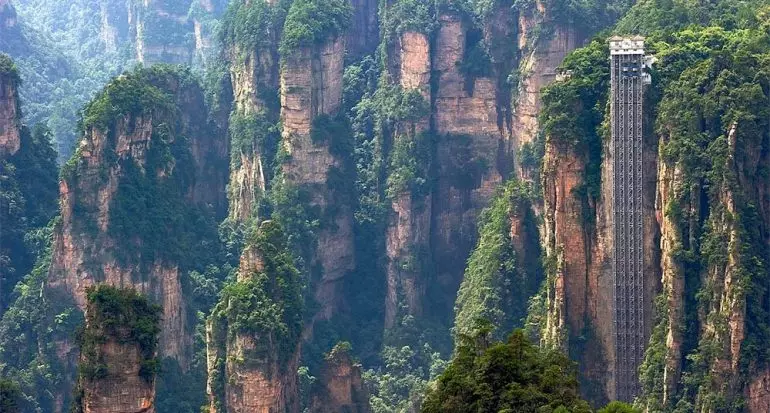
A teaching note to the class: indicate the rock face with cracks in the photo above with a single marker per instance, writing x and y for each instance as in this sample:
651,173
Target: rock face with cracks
97,241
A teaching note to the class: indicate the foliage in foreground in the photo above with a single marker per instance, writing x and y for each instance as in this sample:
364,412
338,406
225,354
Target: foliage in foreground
511,376
507,377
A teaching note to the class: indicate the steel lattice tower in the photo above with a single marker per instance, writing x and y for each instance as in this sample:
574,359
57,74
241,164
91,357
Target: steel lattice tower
628,80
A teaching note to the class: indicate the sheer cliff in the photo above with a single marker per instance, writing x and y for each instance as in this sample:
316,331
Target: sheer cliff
254,332
699,356
139,203
367,185
393,155
118,353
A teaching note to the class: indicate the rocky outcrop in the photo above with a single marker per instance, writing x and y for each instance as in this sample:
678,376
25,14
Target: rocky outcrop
271,389
311,88
117,362
178,32
672,282
10,115
541,55
758,393
134,185
122,390
724,308
408,231
255,79
579,245
473,155
479,130
341,386
252,366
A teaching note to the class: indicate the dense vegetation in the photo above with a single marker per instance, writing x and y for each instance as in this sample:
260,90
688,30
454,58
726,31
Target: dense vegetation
28,194
9,396
68,50
152,209
708,103
710,100
313,22
500,280
717,135
511,376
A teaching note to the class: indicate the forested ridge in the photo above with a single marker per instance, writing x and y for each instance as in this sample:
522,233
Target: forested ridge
375,206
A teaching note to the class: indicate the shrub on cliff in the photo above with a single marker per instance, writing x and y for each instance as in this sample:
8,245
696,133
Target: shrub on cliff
123,315
312,22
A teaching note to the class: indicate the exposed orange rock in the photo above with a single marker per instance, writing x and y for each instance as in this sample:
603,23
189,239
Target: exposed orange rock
122,389
415,62
581,290
84,251
408,231
466,119
250,373
541,57
311,86
10,122
758,393
341,386
268,389
253,74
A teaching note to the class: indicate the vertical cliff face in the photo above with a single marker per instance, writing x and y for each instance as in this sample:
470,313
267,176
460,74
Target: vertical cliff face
541,54
253,335
28,175
468,152
10,143
178,32
577,180
408,232
118,363
10,116
290,159
311,94
723,320
341,386
472,139
364,34
255,79
712,208
161,32
137,200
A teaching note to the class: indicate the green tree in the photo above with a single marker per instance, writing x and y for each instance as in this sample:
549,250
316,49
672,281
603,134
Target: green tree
512,376
9,396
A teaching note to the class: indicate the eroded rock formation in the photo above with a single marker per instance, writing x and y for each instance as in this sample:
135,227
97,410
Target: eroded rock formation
10,115
341,386
311,88
139,179
578,179
117,363
252,365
